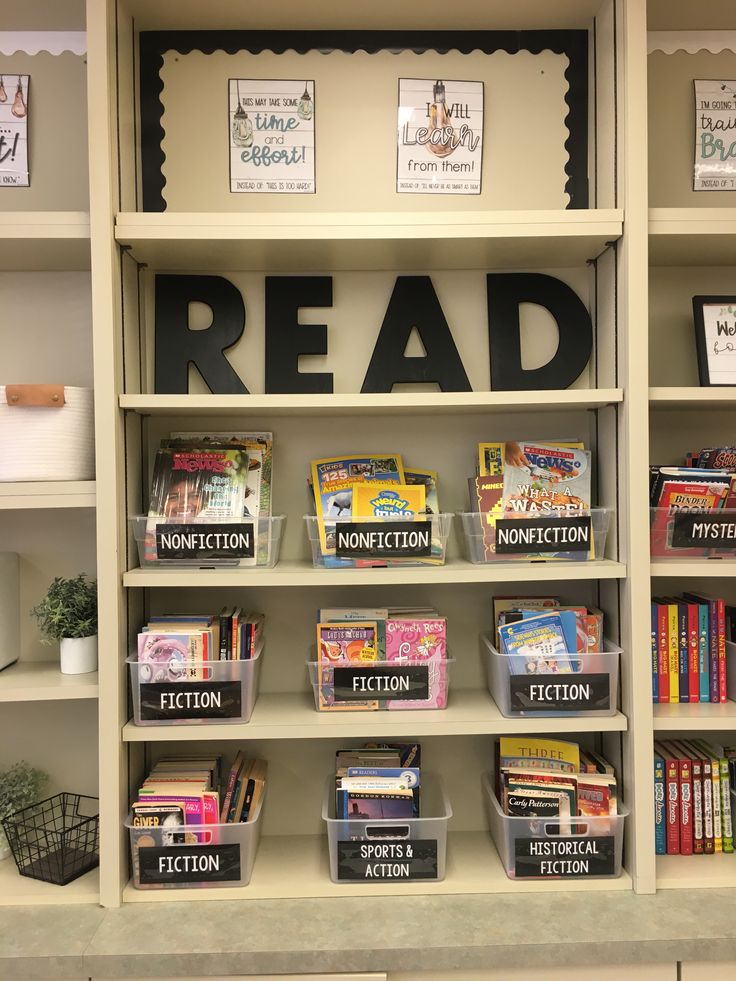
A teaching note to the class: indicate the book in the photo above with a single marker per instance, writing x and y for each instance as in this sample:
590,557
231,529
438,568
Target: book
427,479
379,500
660,826
535,752
424,641
676,496
486,497
672,797
343,644
536,645
501,604
333,480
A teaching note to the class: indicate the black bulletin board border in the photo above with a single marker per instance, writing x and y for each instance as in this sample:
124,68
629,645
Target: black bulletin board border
153,45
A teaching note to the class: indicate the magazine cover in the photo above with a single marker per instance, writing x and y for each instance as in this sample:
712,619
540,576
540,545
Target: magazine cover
333,479
376,500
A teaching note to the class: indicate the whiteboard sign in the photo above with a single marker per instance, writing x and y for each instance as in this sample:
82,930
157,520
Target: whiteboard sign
715,334
715,135
14,131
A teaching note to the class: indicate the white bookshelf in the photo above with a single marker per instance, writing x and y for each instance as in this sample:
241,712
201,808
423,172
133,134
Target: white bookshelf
47,240
41,681
47,494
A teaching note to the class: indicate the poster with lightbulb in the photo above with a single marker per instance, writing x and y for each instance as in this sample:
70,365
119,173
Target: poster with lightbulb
440,137
715,135
271,136
14,170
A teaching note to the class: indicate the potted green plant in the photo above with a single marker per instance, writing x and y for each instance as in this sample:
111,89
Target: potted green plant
68,614
20,786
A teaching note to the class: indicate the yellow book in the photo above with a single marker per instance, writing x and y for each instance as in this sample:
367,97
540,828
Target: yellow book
538,753
379,500
673,640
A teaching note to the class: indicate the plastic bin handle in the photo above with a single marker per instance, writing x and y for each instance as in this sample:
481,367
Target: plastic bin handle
581,830
385,831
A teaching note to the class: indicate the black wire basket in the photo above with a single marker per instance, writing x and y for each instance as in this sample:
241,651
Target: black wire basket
56,840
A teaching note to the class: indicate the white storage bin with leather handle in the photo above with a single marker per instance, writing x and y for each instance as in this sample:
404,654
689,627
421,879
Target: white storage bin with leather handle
46,433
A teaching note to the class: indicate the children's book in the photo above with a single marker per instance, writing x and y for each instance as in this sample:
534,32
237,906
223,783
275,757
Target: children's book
333,479
423,641
342,645
429,481
399,501
536,645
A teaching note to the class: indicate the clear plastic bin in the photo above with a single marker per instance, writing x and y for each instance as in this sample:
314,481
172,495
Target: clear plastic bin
424,541
547,848
204,856
692,534
543,693
223,692
205,544
481,533
427,681
390,851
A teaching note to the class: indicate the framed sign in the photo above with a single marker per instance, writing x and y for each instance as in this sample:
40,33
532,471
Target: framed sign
715,339
14,171
715,135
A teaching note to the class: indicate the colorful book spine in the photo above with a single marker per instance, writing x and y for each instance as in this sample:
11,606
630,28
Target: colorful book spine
703,658
722,679
660,809
674,652
693,656
683,652
672,798
663,653
655,656
726,819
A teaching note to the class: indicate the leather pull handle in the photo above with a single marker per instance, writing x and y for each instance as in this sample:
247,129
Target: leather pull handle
44,396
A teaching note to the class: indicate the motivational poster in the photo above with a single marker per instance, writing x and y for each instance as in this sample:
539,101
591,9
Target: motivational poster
271,136
440,137
14,131
715,135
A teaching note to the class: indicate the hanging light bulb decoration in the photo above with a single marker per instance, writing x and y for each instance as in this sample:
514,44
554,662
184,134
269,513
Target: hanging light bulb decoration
3,93
242,126
439,123
19,107
306,106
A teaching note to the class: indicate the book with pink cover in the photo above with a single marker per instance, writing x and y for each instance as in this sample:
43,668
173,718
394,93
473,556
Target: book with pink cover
415,640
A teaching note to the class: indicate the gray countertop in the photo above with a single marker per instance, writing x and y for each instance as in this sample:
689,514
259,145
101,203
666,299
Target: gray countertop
151,940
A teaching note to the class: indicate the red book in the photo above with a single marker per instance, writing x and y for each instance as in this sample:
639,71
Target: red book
672,796
663,667
683,495
698,797
685,782
716,630
722,679
693,627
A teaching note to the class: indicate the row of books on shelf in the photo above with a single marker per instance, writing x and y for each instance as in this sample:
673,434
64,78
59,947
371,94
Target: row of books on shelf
553,808
204,668
693,781
689,637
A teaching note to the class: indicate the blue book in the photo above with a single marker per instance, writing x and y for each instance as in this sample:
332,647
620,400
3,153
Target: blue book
536,645
660,816
703,652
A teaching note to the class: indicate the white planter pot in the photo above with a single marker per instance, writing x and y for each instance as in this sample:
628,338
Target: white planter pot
78,655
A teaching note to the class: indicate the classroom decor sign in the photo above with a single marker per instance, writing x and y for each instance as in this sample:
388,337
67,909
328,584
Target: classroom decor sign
440,137
271,136
14,170
715,135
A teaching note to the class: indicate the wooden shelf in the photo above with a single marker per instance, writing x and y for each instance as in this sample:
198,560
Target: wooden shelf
293,716
693,397
394,241
41,681
453,403
692,236
48,494
696,871
44,240
473,866
700,717
304,574
686,568
19,890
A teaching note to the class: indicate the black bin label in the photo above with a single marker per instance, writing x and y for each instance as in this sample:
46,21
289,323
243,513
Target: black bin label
410,681
564,858
383,539
190,700
693,530
569,533
182,864
560,693
383,861
205,541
